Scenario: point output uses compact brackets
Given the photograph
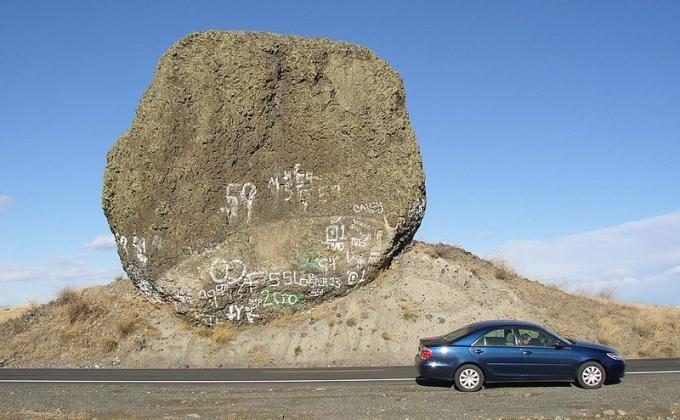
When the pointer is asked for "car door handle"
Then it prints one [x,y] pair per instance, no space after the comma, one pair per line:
[527,353]
[478,351]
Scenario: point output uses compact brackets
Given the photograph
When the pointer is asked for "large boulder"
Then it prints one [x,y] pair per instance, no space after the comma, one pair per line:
[263,174]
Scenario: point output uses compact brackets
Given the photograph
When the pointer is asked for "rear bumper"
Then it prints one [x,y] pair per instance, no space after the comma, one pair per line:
[431,369]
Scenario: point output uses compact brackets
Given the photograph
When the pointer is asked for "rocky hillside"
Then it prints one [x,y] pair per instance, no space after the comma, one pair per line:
[428,290]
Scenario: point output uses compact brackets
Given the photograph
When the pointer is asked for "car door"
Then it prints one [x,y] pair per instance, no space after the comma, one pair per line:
[497,353]
[542,358]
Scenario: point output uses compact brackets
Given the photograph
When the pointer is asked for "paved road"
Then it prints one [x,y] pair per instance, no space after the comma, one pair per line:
[397,374]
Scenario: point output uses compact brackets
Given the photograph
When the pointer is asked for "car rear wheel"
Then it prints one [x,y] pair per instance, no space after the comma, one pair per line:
[468,378]
[590,375]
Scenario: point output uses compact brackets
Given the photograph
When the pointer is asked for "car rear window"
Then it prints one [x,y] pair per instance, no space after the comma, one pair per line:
[454,335]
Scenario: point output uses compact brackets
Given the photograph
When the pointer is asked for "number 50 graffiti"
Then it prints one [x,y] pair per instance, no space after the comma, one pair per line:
[240,195]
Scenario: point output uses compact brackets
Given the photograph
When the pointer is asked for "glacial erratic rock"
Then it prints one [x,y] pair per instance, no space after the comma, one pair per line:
[262,174]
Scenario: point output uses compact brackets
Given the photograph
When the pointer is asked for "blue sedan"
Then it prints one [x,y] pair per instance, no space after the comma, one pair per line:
[515,351]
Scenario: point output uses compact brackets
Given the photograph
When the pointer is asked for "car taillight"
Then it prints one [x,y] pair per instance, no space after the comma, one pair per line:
[425,353]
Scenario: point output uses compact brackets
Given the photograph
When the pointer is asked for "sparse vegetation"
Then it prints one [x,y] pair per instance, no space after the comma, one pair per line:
[67,295]
[78,310]
[49,337]
[609,331]
[224,333]
[127,327]
[606,293]
[204,332]
[409,313]
[110,345]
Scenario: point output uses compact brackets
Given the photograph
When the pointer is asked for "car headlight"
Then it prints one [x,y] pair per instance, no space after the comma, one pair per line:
[614,356]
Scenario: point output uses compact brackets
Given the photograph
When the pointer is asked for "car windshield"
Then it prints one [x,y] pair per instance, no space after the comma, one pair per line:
[454,335]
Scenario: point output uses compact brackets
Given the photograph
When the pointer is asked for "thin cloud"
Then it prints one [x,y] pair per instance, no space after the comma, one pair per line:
[639,260]
[62,269]
[5,201]
[41,280]
[101,243]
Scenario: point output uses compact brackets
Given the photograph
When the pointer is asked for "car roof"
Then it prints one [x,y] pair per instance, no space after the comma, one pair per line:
[502,323]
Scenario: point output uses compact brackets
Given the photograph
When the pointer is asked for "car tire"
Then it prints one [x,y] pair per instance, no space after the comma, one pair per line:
[468,378]
[590,375]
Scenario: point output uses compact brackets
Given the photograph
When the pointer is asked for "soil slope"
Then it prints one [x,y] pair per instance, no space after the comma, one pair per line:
[428,290]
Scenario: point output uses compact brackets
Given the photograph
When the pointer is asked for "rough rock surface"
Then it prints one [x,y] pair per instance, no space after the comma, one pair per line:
[262,174]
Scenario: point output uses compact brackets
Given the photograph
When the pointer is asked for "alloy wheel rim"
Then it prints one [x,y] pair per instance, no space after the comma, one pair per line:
[592,375]
[469,378]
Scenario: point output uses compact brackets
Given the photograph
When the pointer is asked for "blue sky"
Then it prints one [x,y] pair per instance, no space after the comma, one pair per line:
[550,131]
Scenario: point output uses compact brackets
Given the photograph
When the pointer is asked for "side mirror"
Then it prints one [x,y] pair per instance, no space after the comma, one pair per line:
[559,345]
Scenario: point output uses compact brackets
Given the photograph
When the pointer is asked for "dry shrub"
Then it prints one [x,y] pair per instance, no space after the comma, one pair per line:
[409,313]
[224,334]
[204,332]
[73,332]
[259,356]
[127,327]
[331,323]
[440,250]
[109,345]
[503,269]
[606,293]
[298,350]
[351,321]
[152,331]
[79,310]
[609,331]
[33,306]
[660,331]
[646,322]
[387,336]
[68,295]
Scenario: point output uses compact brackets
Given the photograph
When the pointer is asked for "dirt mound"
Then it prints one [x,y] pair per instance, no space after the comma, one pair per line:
[429,290]
[263,173]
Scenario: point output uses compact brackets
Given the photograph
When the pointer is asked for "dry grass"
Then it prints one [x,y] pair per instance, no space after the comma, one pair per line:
[67,295]
[127,327]
[259,356]
[13,312]
[606,293]
[387,336]
[409,313]
[204,332]
[502,269]
[109,345]
[79,311]
[441,250]
[224,333]
[609,331]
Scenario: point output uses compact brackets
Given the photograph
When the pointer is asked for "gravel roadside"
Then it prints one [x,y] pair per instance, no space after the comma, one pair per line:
[646,396]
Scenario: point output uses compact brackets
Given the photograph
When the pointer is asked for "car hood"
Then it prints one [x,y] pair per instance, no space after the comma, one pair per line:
[432,341]
[595,346]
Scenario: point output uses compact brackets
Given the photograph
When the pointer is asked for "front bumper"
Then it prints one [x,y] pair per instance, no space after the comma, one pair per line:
[616,369]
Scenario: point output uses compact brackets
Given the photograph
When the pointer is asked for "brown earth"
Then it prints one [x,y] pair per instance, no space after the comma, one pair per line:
[428,290]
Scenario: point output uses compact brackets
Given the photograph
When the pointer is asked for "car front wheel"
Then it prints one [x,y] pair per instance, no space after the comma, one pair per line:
[468,378]
[590,375]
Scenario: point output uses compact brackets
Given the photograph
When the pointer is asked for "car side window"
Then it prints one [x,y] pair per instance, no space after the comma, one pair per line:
[503,337]
[536,338]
